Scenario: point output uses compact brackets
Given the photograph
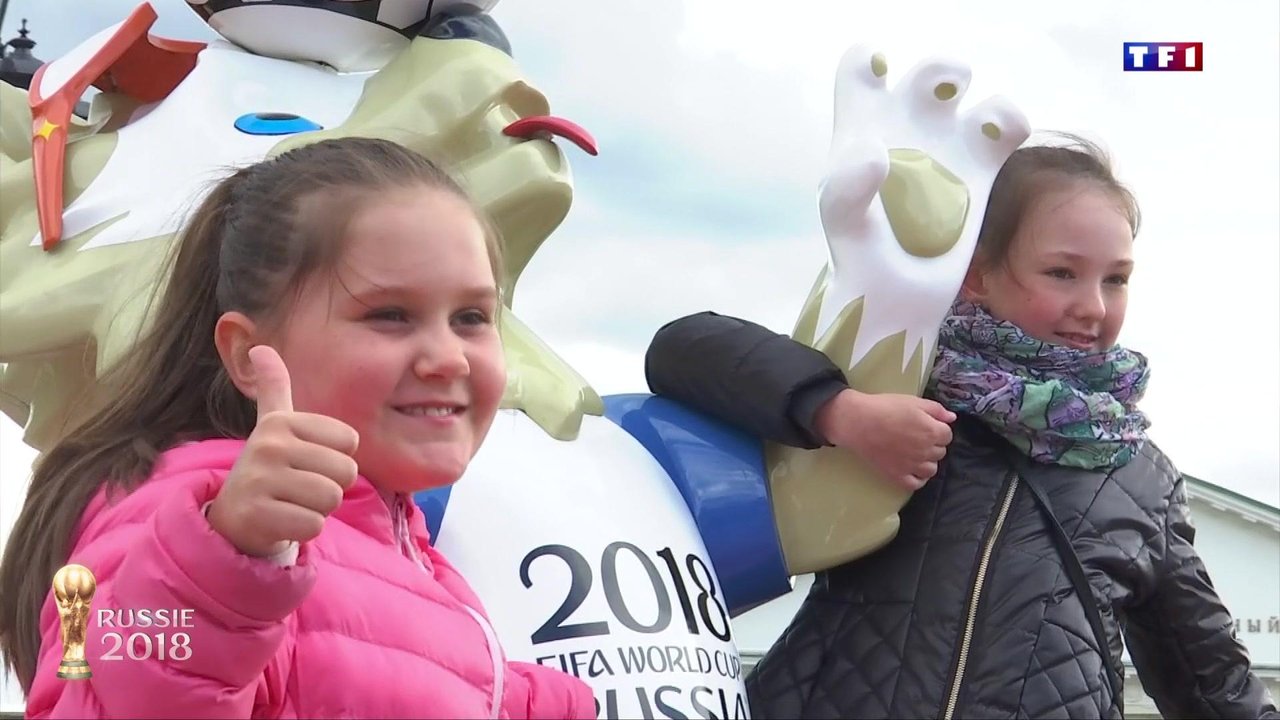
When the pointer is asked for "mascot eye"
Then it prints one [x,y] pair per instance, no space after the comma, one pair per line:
[467,23]
[270,123]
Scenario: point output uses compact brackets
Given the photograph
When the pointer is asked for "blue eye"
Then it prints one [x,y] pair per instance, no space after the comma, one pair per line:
[269,123]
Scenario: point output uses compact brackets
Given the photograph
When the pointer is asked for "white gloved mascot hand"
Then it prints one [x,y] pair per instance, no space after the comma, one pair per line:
[902,200]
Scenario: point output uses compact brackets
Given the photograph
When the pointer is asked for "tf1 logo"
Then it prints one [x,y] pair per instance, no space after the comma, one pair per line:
[1163,57]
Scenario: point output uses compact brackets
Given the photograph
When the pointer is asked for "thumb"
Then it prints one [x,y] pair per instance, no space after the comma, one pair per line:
[271,379]
[937,412]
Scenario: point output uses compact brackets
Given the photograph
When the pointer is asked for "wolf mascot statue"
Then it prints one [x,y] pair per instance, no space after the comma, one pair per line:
[615,537]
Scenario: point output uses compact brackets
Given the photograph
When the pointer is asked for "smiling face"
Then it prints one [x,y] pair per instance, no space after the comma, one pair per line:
[1065,277]
[400,340]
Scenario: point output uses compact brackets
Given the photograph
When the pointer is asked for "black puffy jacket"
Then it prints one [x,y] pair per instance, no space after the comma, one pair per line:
[971,611]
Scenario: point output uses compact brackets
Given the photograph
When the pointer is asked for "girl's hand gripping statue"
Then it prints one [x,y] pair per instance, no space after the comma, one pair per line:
[902,437]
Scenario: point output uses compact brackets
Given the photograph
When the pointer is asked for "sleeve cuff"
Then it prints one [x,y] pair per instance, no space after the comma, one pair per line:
[287,557]
[805,403]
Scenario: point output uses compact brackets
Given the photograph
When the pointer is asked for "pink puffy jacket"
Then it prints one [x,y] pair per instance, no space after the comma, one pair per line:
[369,622]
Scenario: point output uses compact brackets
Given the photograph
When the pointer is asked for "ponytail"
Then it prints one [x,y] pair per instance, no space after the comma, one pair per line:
[150,407]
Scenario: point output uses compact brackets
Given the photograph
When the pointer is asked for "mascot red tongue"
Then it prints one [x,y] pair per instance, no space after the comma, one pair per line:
[545,125]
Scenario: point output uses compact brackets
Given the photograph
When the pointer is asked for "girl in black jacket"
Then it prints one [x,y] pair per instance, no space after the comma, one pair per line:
[1052,526]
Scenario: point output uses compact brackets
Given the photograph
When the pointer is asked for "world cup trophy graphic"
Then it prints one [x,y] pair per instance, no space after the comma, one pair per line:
[73,588]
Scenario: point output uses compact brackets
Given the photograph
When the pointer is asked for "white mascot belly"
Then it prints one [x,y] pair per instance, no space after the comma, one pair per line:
[588,560]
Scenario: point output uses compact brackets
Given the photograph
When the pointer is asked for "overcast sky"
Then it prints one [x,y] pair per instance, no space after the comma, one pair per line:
[713,118]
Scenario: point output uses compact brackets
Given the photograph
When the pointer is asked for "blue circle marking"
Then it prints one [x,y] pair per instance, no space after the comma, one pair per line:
[270,123]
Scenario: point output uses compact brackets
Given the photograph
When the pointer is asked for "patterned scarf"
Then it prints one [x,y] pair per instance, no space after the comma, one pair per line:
[1057,404]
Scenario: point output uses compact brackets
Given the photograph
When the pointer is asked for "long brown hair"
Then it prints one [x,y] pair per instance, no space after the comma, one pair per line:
[252,241]
[1032,171]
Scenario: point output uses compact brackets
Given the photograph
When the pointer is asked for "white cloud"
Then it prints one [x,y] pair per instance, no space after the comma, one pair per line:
[625,285]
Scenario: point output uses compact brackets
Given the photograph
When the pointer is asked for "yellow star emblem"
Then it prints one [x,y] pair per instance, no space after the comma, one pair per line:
[46,129]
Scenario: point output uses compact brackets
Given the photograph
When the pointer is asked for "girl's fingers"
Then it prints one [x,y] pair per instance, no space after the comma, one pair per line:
[325,431]
[310,491]
[288,521]
[309,457]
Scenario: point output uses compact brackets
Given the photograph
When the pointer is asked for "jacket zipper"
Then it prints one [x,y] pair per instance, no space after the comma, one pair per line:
[404,540]
[971,616]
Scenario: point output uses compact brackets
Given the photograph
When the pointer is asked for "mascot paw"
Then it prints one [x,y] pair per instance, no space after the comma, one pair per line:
[901,203]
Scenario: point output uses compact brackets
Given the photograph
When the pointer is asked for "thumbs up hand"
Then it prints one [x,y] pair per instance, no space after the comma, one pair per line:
[292,473]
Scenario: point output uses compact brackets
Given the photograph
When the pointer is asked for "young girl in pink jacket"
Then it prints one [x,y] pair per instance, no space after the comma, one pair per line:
[326,346]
